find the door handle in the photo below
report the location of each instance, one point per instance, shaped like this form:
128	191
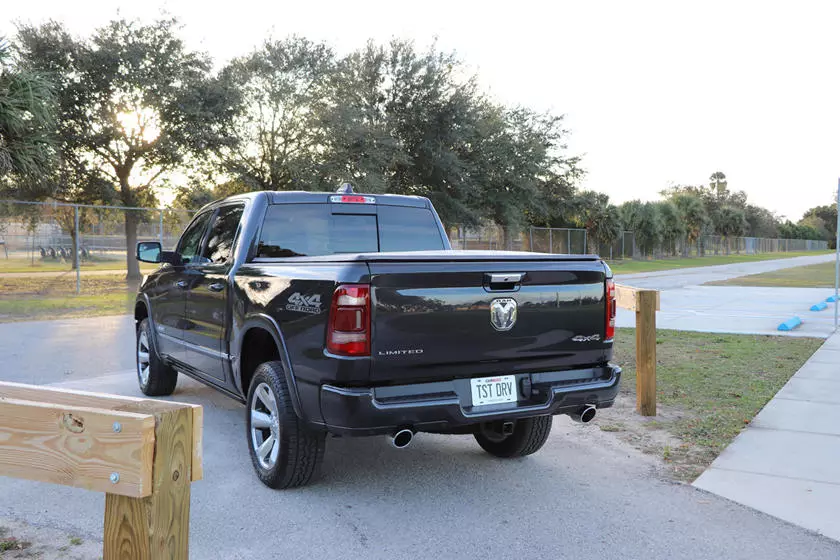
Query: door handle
216	287
503	282
181	284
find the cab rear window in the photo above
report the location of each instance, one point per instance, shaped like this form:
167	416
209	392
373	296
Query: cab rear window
297	230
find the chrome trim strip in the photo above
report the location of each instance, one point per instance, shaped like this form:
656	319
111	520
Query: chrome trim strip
191	346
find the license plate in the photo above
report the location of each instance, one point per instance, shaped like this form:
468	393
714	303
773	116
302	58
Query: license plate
493	390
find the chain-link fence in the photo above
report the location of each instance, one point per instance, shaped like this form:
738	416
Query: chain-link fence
573	241
541	240
714	245
51	251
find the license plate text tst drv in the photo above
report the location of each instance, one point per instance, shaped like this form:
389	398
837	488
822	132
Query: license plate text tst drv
493	390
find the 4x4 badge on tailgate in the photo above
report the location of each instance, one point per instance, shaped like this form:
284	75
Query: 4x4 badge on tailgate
503	313
592	338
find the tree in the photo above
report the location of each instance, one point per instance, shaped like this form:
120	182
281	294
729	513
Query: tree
762	222
278	125
648	230
828	215
414	122
27	117
717	183
630	214
601	219
731	222
694	217
135	102
673	225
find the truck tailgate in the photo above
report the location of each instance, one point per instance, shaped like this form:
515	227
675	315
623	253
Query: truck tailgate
432	317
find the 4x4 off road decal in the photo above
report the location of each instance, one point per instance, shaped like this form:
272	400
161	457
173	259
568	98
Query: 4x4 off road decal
304	304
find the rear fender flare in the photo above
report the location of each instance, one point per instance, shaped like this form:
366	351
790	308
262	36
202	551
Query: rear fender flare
266	323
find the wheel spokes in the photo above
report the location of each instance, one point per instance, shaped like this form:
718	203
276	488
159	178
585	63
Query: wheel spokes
265	449
275	450
144	356
266	397
260	420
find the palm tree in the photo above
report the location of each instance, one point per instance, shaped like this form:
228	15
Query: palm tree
731	221
694	216
27	112
717	182
673	225
600	218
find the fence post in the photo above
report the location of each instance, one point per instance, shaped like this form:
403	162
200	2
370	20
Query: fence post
77	258
161	228
646	352
550	241
569	241
837	263
530	238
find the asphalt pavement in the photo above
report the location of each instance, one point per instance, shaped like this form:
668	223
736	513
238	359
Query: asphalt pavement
585	495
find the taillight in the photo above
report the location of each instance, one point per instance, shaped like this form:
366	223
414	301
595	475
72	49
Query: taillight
348	331
610	319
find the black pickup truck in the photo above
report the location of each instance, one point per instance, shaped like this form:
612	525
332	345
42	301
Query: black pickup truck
351	315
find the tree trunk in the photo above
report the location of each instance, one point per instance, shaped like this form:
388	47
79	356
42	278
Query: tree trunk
73	235
507	238
132	267
131	264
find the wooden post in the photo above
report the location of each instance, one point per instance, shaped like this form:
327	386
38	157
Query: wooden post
142	453
157	526
646	305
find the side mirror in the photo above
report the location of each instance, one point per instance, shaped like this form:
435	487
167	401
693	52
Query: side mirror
149	251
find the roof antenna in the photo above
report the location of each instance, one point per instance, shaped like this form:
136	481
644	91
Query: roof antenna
345	188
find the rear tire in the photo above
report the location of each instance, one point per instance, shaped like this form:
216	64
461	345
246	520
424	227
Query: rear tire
529	435
284	451
155	377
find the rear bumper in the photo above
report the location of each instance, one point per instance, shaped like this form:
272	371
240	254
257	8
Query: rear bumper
447	405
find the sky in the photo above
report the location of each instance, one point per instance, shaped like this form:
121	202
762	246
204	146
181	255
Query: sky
654	93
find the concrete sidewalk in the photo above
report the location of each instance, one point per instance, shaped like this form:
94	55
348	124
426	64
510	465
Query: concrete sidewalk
787	462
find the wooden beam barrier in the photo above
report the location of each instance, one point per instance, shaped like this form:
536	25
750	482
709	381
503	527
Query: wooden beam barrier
142	453
645	303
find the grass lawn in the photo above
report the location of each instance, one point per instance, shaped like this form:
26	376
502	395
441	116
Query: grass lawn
630	266
811	276
49	265
35	298
709	387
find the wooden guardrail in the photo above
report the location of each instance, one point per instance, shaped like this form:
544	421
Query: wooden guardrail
142	453
645	303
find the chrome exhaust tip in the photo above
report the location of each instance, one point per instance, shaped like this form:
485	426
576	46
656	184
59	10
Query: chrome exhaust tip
584	415
401	439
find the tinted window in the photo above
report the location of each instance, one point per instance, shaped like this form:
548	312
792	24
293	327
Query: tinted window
293	230
222	233
190	244
408	229
296	230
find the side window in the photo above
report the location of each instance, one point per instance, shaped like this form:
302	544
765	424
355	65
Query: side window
190	244
223	228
